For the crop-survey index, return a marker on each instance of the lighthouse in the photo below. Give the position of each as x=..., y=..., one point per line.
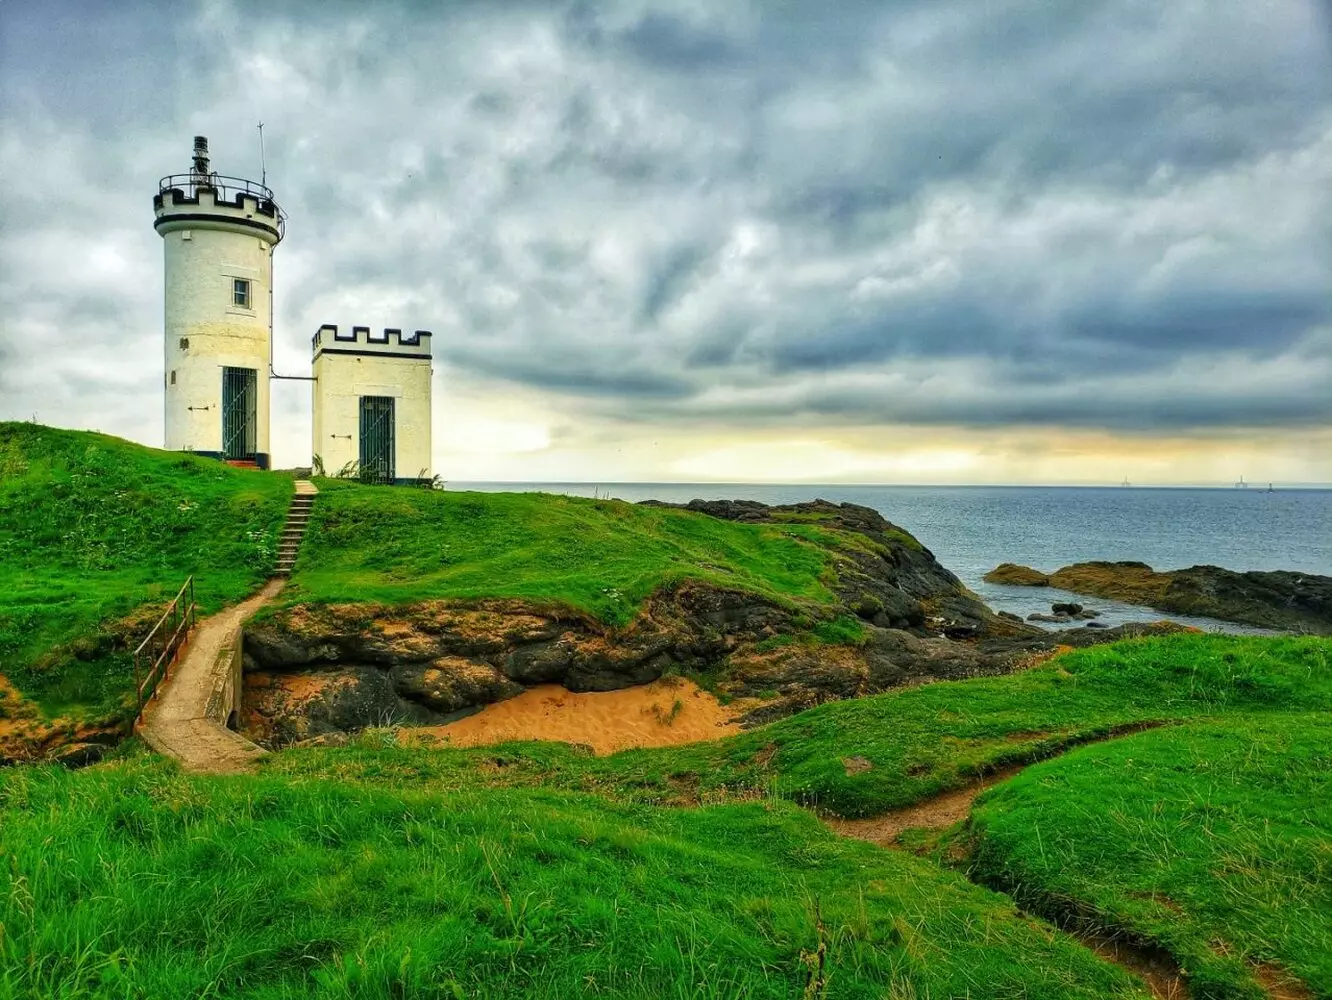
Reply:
x=218, y=235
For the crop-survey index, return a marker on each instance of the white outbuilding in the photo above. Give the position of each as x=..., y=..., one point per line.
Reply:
x=372, y=403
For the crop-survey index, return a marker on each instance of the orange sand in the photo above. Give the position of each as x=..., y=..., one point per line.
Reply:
x=607, y=721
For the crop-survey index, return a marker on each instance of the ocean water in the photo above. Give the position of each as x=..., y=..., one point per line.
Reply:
x=971, y=529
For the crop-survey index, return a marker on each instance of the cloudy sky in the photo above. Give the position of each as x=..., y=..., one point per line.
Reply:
x=935, y=241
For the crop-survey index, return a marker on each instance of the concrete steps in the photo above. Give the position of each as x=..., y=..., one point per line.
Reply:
x=293, y=531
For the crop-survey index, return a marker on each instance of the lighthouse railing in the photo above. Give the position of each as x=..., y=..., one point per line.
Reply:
x=224, y=185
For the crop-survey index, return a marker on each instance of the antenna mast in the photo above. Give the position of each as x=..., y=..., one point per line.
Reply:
x=263, y=169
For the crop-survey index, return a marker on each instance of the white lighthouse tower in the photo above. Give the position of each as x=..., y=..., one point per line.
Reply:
x=219, y=234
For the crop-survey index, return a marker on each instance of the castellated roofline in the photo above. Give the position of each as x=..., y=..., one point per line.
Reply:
x=218, y=206
x=392, y=342
x=216, y=196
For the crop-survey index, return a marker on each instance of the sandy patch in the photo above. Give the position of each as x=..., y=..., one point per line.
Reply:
x=664, y=713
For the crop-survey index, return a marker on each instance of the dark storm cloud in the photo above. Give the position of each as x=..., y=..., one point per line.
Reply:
x=1106, y=214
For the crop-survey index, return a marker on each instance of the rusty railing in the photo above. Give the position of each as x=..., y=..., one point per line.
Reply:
x=155, y=655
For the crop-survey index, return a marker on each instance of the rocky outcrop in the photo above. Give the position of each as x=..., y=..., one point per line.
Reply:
x=1017, y=576
x=1300, y=602
x=884, y=575
x=900, y=617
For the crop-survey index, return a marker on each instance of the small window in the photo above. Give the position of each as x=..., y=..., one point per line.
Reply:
x=173, y=376
x=240, y=292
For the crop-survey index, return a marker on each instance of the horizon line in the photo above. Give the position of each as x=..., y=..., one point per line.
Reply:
x=1247, y=488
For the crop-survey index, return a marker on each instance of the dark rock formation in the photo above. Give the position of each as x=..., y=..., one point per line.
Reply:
x=888, y=578
x=1300, y=602
x=314, y=670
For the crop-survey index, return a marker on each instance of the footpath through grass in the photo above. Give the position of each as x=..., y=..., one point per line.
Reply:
x=1210, y=836
x=92, y=528
x=1213, y=839
x=604, y=556
x=380, y=871
x=918, y=741
x=135, y=881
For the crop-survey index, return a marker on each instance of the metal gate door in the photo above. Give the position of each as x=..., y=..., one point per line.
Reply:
x=377, y=439
x=240, y=401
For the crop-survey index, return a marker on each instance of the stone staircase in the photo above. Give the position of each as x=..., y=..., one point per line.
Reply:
x=298, y=517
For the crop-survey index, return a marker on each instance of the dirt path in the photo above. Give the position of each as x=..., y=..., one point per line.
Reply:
x=177, y=723
x=937, y=813
x=1154, y=966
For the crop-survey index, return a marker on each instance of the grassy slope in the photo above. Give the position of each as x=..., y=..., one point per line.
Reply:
x=320, y=889
x=920, y=741
x=1209, y=832
x=92, y=527
x=604, y=556
x=398, y=873
x=1238, y=845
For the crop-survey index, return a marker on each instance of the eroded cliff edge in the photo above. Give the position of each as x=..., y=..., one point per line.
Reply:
x=899, y=617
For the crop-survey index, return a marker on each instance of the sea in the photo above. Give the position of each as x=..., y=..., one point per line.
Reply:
x=971, y=529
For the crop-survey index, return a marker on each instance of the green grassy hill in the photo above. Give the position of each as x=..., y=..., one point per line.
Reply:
x=1211, y=832
x=134, y=881
x=94, y=530
x=537, y=870
x=603, y=556
x=96, y=533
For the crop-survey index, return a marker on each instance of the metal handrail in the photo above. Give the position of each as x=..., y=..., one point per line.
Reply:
x=221, y=183
x=162, y=646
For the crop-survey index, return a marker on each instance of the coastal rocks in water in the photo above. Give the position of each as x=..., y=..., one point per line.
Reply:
x=1017, y=576
x=1054, y=619
x=1299, y=602
x=1066, y=609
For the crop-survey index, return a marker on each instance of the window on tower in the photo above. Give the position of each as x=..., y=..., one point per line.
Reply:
x=240, y=292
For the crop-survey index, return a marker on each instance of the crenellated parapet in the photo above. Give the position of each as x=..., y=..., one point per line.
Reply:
x=184, y=201
x=361, y=340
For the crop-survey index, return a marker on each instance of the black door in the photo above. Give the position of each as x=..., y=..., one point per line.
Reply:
x=377, y=439
x=240, y=404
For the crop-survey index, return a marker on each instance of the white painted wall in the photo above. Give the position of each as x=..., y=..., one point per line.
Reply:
x=205, y=331
x=378, y=369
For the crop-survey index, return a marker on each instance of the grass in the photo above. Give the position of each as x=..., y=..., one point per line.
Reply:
x=134, y=880
x=1224, y=810
x=1213, y=839
x=537, y=870
x=920, y=741
x=93, y=528
x=602, y=556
